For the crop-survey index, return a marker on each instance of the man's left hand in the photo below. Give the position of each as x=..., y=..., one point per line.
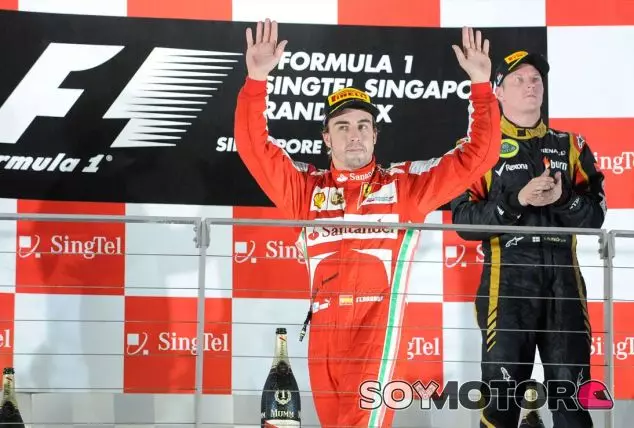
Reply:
x=474, y=56
x=551, y=196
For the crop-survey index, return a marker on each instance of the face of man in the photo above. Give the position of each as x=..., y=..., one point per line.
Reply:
x=351, y=137
x=522, y=91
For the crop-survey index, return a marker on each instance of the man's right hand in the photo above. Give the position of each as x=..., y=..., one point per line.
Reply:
x=263, y=55
x=540, y=191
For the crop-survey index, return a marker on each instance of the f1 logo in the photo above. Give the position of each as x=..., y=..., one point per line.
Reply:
x=39, y=94
x=165, y=93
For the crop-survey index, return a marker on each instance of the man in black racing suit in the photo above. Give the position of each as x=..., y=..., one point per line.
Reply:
x=532, y=293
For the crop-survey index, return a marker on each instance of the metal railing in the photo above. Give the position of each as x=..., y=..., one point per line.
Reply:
x=203, y=235
x=605, y=250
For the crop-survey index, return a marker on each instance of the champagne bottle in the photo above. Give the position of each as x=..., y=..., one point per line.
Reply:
x=281, y=404
x=10, y=416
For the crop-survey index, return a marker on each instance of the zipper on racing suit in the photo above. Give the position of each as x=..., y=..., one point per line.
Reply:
x=309, y=315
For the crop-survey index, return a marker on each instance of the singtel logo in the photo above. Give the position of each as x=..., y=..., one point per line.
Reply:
x=421, y=346
x=621, y=349
x=168, y=341
x=617, y=164
x=32, y=245
x=274, y=249
x=455, y=256
x=5, y=338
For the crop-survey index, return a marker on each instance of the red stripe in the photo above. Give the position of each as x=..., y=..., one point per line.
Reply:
x=400, y=13
x=186, y=9
x=575, y=12
x=9, y=4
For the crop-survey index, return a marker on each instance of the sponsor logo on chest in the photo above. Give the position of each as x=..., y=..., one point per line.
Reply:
x=333, y=198
x=555, y=164
x=327, y=199
x=375, y=193
x=511, y=167
x=551, y=151
x=322, y=235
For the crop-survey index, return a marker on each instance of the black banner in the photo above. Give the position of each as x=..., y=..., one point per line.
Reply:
x=141, y=110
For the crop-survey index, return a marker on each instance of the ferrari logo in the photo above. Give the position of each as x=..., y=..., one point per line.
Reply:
x=366, y=190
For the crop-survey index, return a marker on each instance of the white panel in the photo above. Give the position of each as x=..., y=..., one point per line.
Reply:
x=55, y=409
x=162, y=259
x=461, y=342
x=426, y=276
x=592, y=265
x=218, y=410
x=79, y=7
x=581, y=86
x=92, y=408
x=254, y=324
x=8, y=232
x=174, y=408
x=295, y=11
x=623, y=261
x=179, y=409
x=69, y=343
x=493, y=13
x=25, y=404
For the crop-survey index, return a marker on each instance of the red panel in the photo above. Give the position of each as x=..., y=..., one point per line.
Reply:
x=423, y=342
x=189, y=9
x=623, y=348
x=217, y=360
x=160, y=345
x=266, y=263
x=7, y=331
x=9, y=4
x=575, y=12
x=399, y=13
x=462, y=265
x=70, y=257
x=611, y=141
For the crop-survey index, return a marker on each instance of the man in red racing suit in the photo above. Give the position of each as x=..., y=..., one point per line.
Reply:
x=359, y=275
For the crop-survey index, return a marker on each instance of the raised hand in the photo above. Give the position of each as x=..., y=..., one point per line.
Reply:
x=265, y=52
x=474, y=56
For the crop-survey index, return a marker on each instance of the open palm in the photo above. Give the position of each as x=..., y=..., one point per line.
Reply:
x=474, y=56
x=264, y=52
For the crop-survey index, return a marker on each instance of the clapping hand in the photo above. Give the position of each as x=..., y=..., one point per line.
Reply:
x=542, y=190
x=474, y=56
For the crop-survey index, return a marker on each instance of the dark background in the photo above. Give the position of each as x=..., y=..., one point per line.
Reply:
x=193, y=172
